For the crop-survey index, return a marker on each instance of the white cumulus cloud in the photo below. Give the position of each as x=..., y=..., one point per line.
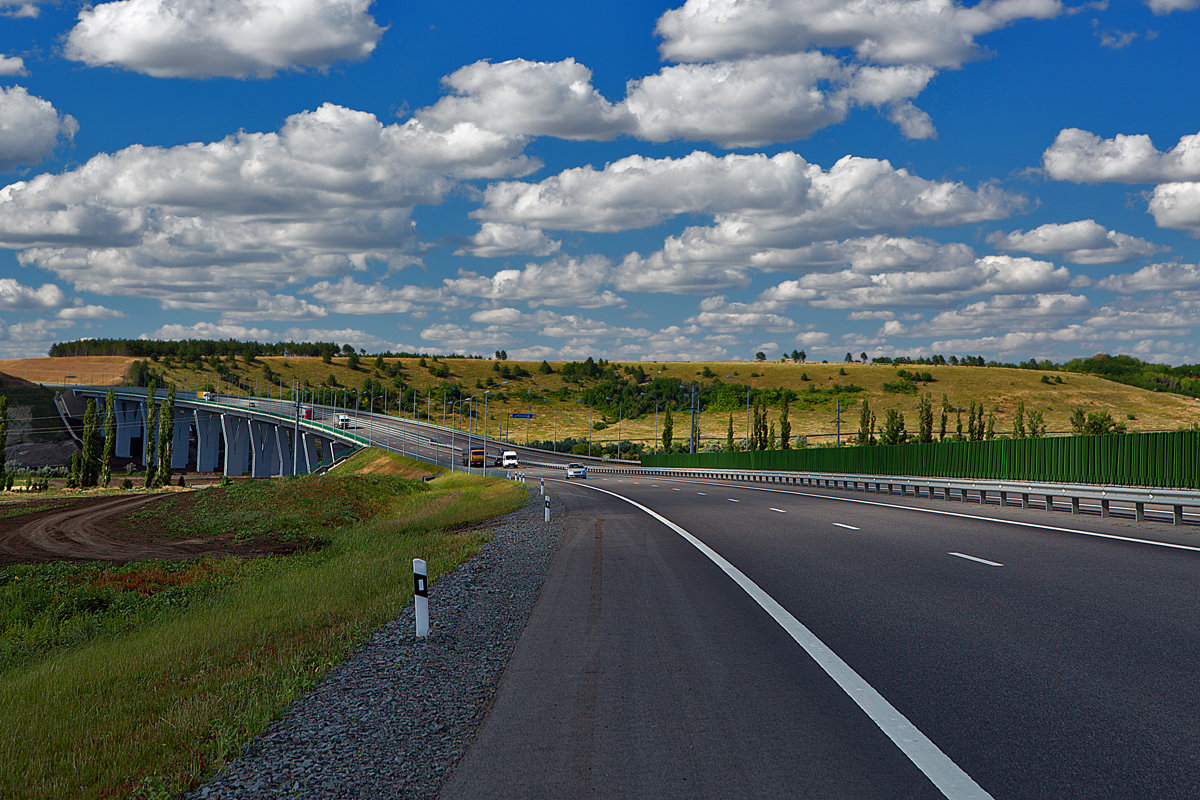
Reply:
x=495, y=239
x=1080, y=156
x=1167, y=6
x=562, y=281
x=329, y=193
x=937, y=32
x=30, y=128
x=229, y=38
x=15, y=296
x=1167, y=277
x=12, y=65
x=1081, y=242
x=527, y=98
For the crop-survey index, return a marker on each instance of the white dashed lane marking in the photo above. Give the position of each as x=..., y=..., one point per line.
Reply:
x=977, y=560
x=847, y=527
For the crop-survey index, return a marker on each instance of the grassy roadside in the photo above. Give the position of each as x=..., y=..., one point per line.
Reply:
x=149, y=710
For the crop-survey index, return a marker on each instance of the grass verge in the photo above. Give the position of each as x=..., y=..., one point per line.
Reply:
x=162, y=693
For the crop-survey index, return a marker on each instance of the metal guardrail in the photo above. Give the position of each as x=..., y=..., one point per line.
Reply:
x=1044, y=495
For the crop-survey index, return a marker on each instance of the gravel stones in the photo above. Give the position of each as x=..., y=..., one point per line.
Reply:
x=394, y=719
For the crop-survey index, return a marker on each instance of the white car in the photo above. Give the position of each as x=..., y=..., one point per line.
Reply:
x=576, y=471
x=508, y=459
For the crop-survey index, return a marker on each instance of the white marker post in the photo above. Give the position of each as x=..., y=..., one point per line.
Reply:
x=542, y=485
x=547, y=508
x=421, y=597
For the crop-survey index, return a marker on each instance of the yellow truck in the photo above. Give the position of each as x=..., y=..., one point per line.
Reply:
x=472, y=456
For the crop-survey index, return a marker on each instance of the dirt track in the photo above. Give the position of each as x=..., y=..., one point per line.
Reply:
x=95, y=529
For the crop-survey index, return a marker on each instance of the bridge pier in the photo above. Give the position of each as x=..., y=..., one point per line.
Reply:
x=129, y=418
x=179, y=439
x=208, y=440
x=264, y=450
x=236, y=432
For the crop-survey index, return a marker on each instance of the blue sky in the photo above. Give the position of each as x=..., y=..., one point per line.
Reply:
x=701, y=179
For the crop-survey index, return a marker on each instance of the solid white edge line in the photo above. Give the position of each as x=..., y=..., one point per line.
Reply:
x=1014, y=522
x=979, y=560
x=947, y=776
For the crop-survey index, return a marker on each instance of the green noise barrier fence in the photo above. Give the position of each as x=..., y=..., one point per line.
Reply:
x=1130, y=459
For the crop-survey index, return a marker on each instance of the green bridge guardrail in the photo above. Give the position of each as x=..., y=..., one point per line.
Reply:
x=1124, y=459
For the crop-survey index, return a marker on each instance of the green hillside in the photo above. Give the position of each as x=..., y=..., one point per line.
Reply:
x=572, y=398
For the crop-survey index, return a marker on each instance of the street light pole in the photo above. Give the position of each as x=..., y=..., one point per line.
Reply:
x=485, y=422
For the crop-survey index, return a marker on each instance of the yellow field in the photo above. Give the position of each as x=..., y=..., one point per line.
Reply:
x=91, y=370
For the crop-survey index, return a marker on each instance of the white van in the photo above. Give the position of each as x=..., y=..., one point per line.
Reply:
x=343, y=421
x=508, y=459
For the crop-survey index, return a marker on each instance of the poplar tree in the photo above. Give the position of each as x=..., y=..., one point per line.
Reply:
x=866, y=425
x=1019, y=421
x=785, y=426
x=110, y=438
x=89, y=460
x=729, y=435
x=3, y=440
x=166, y=436
x=151, y=430
x=893, y=428
x=668, y=430
x=925, y=418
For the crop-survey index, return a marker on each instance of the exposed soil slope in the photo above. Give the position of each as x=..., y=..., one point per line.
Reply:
x=95, y=529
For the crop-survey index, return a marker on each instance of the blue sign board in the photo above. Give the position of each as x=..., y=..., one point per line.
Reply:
x=521, y=416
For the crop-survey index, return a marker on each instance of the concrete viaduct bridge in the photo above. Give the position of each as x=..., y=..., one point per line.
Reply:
x=233, y=435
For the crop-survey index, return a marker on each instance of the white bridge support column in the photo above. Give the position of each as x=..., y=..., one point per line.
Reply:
x=208, y=440
x=264, y=452
x=283, y=446
x=236, y=431
x=307, y=459
x=128, y=415
x=179, y=439
x=325, y=450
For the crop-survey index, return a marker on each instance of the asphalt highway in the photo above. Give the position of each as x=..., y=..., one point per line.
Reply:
x=988, y=659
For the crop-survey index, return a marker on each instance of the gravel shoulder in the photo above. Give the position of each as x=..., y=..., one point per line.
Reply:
x=395, y=718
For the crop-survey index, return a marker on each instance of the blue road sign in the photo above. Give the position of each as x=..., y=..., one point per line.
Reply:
x=521, y=416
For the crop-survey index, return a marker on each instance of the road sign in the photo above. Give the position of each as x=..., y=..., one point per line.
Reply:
x=521, y=416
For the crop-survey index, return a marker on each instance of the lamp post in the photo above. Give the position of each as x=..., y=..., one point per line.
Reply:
x=485, y=421
x=452, y=405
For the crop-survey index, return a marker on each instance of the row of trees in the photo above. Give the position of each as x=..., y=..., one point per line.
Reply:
x=92, y=464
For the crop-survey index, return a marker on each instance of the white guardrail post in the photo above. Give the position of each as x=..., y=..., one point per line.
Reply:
x=421, y=597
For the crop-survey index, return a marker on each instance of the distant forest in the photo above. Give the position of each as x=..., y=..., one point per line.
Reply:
x=192, y=350
x=1184, y=379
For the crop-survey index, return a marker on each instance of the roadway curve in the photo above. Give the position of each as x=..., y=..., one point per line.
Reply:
x=1039, y=663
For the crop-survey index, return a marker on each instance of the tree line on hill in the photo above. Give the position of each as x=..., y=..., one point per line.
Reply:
x=1183, y=379
x=192, y=350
